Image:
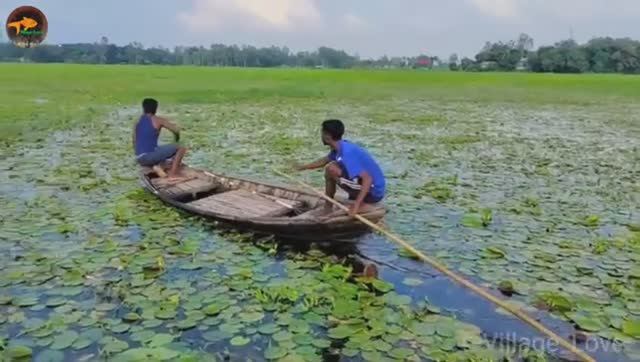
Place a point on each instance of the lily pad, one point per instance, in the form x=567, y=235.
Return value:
x=131, y=317
x=274, y=352
x=412, y=282
x=252, y=317
x=64, y=340
x=165, y=314
x=401, y=353
x=239, y=341
x=586, y=322
x=340, y=332
x=25, y=301
x=631, y=328
x=269, y=328
x=18, y=352
x=120, y=328
x=382, y=286
x=186, y=324
x=49, y=356
x=282, y=336
x=105, y=307
x=321, y=343
x=114, y=345
x=56, y=302
x=81, y=343
x=161, y=339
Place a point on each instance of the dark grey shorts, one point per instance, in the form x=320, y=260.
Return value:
x=159, y=155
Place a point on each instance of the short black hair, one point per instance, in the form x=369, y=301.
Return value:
x=334, y=128
x=150, y=105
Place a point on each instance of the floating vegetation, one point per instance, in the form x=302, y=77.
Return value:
x=92, y=265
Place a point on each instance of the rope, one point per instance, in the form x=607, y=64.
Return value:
x=456, y=277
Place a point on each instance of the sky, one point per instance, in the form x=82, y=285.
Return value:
x=369, y=28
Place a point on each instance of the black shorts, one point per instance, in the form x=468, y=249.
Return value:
x=353, y=187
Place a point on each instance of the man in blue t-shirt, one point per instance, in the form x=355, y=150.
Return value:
x=349, y=166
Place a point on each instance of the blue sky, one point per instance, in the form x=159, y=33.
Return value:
x=367, y=27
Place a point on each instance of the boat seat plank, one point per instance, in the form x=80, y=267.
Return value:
x=185, y=188
x=243, y=203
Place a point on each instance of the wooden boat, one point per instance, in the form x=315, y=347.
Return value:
x=263, y=208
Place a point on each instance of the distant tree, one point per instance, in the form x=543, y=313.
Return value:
x=525, y=44
x=453, y=62
x=468, y=65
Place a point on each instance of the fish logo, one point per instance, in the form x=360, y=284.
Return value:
x=25, y=23
x=26, y=26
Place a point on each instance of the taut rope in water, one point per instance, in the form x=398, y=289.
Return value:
x=456, y=277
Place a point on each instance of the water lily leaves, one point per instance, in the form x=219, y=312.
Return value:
x=165, y=314
x=215, y=308
x=152, y=323
x=64, y=340
x=494, y=252
x=105, y=307
x=147, y=354
x=321, y=343
x=372, y=356
x=252, y=317
x=341, y=332
x=25, y=301
x=5, y=299
x=186, y=324
x=412, y=282
x=131, y=317
x=49, y=356
x=81, y=343
x=382, y=286
x=397, y=299
x=120, y=328
x=239, y=341
x=282, y=336
x=302, y=339
x=142, y=336
x=631, y=328
x=18, y=352
x=269, y=328
x=216, y=336
x=299, y=326
x=401, y=353
x=161, y=339
x=586, y=322
x=274, y=352
x=56, y=302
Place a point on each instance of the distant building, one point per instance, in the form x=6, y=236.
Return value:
x=423, y=62
x=522, y=65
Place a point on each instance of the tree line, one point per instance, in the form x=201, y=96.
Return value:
x=599, y=55
x=103, y=52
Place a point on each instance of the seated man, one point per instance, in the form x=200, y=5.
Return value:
x=349, y=166
x=145, y=140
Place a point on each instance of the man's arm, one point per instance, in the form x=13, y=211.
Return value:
x=314, y=165
x=163, y=122
x=367, y=181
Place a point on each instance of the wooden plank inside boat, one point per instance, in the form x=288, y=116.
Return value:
x=243, y=203
x=183, y=188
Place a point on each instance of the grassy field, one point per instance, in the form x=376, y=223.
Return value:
x=45, y=96
x=527, y=183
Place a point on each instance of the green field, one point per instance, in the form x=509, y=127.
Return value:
x=524, y=181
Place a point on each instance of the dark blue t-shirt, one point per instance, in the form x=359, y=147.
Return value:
x=355, y=159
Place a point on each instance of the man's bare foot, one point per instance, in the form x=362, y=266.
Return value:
x=159, y=171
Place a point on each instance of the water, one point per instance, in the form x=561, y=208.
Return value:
x=77, y=228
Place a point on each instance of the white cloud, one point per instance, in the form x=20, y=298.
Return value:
x=353, y=22
x=207, y=15
x=498, y=8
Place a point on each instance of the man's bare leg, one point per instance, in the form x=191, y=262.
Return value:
x=332, y=174
x=174, y=172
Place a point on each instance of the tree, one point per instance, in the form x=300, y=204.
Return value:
x=453, y=62
x=524, y=44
